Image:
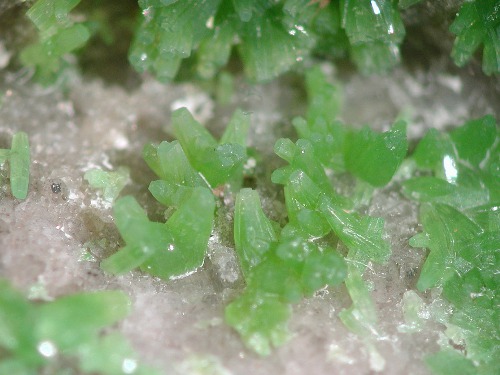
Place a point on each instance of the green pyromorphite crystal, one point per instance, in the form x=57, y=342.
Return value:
x=320, y=128
x=474, y=139
x=253, y=231
x=64, y=335
x=278, y=271
x=300, y=156
x=86, y=314
x=142, y=237
x=261, y=320
x=445, y=228
x=217, y=162
x=188, y=170
x=19, y=158
x=324, y=99
x=111, y=183
x=168, y=249
x=361, y=234
x=190, y=226
x=375, y=157
x=461, y=223
x=375, y=30
x=478, y=22
x=464, y=163
x=170, y=31
x=361, y=317
x=59, y=35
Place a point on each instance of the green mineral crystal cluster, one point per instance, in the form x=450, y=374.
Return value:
x=459, y=195
x=190, y=169
x=326, y=239
x=65, y=336
x=270, y=37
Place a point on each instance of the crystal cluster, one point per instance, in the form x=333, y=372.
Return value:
x=65, y=335
x=59, y=35
x=459, y=212
x=190, y=169
x=271, y=37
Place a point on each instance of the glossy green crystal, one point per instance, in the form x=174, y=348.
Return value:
x=446, y=228
x=361, y=234
x=375, y=157
x=165, y=250
x=478, y=23
x=433, y=189
x=300, y=156
x=217, y=162
x=321, y=129
x=374, y=29
x=67, y=335
x=16, y=333
x=143, y=238
x=474, y=139
x=59, y=35
x=190, y=227
x=111, y=183
x=253, y=231
x=19, y=158
x=431, y=150
x=86, y=314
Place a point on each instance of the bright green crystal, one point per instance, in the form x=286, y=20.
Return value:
x=474, y=139
x=478, y=23
x=375, y=157
x=168, y=249
x=461, y=223
x=19, y=165
x=445, y=228
x=361, y=234
x=188, y=169
x=143, y=238
x=86, y=314
x=374, y=29
x=253, y=231
x=217, y=162
x=190, y=227
x=59, y=35
x=66, y=335
x=279, y=269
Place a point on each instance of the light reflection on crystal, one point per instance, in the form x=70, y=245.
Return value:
x=129, y=365
x=375, y=7
x=47, y=349
x=450, y=169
